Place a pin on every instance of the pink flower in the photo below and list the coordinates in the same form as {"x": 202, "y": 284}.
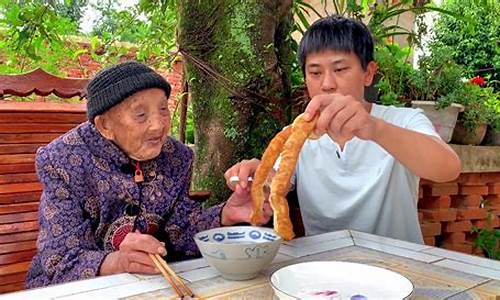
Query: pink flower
{"x": 478, "y": 80}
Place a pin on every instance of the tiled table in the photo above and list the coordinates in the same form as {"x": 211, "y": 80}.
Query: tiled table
{"x": 435, "y": 273}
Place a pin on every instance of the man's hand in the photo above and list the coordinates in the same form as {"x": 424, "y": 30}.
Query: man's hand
{"x": 341, "y": 116}
{"x": 133, "y": 256}
{"x": 239, "y": 206}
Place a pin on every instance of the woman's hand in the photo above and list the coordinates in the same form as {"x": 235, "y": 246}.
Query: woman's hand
{"x": 133, "y": 256}
{"x": 239, "y": 205}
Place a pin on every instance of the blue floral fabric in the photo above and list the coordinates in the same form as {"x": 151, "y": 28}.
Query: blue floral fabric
{"x": 88, "y": 190}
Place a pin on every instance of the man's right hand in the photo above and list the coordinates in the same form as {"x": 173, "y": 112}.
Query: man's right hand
{"x": 133, "y": 256}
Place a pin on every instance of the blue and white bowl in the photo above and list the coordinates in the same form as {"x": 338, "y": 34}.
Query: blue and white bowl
{"x": 238, "y": 252}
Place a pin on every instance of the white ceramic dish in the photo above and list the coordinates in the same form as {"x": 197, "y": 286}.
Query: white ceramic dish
{"x": 339, "y": 280}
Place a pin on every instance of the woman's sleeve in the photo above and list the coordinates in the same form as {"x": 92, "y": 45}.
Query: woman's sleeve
{"x": 66, "y": 243}
{"x": 188, "y": 218}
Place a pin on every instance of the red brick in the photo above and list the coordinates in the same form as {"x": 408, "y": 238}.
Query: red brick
{"x": 478, "y": 252}
{"x": 473, "y": 190}
{"x": 435, "y": 202}
{"x": 420, "y": 217}
{"x": 493, "y": 201}
{"x": 492, "y": 223}
{"x": 420, "y": 192}
{"x": 454, "y": 238}
{"x": 462, "y": 226}
{"x": 439, "y": 215}
{"x": 464, "y": 248}
{"x": 470, "y": 178}
{"x": 471, "y": 213}
{"x": 494, "y": 188}
{"x": 430, "y": 229}
{"x": 466, "y": 200}
{"x": 440, "y": 189}
{"x": 430, "y": 240}
{"x": 496, "y": 211}
{"x": 490, "y": 177}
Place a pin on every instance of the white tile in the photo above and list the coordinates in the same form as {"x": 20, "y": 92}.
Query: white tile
{"x": 281, "y": 258}
{"x": 287, "y": 250}
{"x": 461, "y": 257}
{"x": 420, "y": 256}
{"x": 200, "y": 274}
{"x": 73, "y": 287}
{"x": 320, "y": 238}
{"x": 189, "y": 265}
{"x": 468, "y": 268}
{"x": 155, "y": 283}
{"x": 315, "y": 248}
{"x": 389, "y": 241}
{"x": 179, "y": 267}
{"x": 125, "y": 290}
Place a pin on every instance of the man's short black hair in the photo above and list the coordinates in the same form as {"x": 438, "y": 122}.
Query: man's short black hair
{"x": 339, "y": 34}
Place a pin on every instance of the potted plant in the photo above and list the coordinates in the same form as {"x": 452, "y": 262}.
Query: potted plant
{"x": 493, "y": 132}
{"x": 431, "y": 87}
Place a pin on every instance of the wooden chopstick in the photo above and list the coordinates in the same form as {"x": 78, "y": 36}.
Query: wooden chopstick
{"x": 176, "y": 277}
{"x": 157, "y": 261}
{"x": 171, "y": 276}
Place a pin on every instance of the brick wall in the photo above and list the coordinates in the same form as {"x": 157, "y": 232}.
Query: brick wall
{"x": 448, "y": 211}
{"x": 87, "y": 67}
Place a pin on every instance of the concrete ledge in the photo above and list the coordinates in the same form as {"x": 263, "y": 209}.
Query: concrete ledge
{"x": 478, "y": 158}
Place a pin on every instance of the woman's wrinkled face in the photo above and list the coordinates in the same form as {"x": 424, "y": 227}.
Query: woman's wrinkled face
{"x": 139, "y": 125}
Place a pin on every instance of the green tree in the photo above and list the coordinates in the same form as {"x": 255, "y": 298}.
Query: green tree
{"x": 238, "y": 63}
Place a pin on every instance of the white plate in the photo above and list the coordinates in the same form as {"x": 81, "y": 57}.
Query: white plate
{"x": 339, "y": 280}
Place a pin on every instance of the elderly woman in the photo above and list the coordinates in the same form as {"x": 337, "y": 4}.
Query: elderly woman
{"x": 116, "y": 187}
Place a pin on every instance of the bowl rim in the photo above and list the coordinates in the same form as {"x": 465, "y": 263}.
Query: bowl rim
{"x": 246, "y": 242}
{"x": 337, "y": 261}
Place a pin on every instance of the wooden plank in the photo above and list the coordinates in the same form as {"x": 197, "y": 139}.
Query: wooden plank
{"x": 20, "y": 187}
{"x": 9, "y": 159}
{"x": 13, "y": 278}
{"x": 57, "y": 117}
{"x": 8, "y": 106}
{"x": 36, "y": 127}
{"x": 15, "y": 268}
{"x": 27, "y": 138}
{"x": 17, "y": 256}
{"x": 12, "y": 287}
{"x": 18, "y": 178}
{"x": 18, "y": 237}
{"x": 18, "y": 227}
{"x": 19, "y": 148}
{"x": 18, "y": 207}
{"x": 19, "y": 168}
{"x": 17, "y": 247}
{"x": 18, "y": 217}
{"x": 20, "y": 197}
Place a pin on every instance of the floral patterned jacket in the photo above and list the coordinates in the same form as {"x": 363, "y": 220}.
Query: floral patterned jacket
{"x": 90, "y": 202}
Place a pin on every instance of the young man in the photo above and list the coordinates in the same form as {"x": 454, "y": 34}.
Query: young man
{"x": 363, "y": 172}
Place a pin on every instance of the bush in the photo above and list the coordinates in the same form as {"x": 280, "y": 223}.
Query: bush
{"x": 473, "y": 39}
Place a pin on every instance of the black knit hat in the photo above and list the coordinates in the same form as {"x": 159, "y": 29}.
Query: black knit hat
{"x": 112, "y": 85}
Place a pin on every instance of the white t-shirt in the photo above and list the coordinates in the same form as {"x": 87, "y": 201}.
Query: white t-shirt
{"x": 362, "y": 187}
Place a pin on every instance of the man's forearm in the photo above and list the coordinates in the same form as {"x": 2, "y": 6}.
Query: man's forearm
{"x": 426, "y": 156}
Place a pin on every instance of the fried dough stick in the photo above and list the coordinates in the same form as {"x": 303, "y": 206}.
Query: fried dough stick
{"x": 301, "y": 130}
{"x": 269, "y": 157}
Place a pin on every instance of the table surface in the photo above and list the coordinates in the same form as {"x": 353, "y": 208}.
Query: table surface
{"x": 435, "y": 273}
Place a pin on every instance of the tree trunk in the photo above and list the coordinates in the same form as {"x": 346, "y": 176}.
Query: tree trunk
{"x": 239, "y": 59}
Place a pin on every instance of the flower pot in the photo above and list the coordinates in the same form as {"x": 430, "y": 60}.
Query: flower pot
{"x": 464, "y": 137}
{"x": 492, "y": 137}
{"x": 444, "y": 120}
